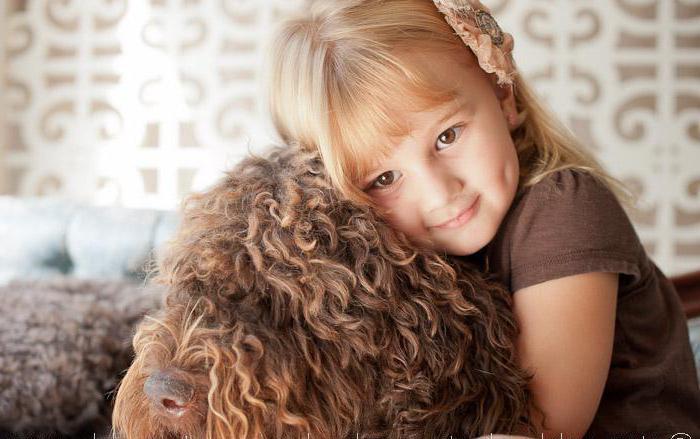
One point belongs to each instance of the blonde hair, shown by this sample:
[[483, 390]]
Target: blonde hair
[[336, 69]]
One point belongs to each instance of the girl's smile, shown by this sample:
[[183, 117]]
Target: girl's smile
[[461, 219]]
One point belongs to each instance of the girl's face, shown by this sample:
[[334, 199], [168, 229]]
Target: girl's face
[[457, 162]]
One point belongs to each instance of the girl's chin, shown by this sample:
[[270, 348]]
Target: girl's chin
[[464, 244]]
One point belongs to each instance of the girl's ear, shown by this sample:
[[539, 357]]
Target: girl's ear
[[506, 99]]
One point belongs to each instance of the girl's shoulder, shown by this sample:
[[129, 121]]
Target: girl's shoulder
[[570, 197], [569, 222], [568, 183]]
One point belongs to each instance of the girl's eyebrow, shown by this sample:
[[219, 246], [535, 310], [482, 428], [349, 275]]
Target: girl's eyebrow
[[449, 111], [462, 104], [451, 108]]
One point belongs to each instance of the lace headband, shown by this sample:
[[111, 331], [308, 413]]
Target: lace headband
[[473, 22]]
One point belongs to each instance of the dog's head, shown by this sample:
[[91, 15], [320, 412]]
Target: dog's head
[[294, 312]]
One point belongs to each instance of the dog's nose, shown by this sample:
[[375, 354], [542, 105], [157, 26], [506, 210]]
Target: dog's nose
[[169, 391]]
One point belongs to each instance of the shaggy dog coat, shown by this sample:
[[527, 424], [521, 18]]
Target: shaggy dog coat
[[292, 313]]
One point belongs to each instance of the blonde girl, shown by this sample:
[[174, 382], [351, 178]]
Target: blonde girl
[[417, 109]]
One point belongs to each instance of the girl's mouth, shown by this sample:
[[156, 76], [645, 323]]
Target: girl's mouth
[[463, 217]]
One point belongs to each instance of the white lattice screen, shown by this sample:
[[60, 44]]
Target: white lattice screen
[[137, 102]]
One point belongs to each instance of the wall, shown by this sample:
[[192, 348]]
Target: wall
[[136, 103]]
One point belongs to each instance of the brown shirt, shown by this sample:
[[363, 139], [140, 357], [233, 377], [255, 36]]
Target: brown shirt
[[570, 223]]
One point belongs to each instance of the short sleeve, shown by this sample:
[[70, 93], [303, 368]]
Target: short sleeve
[[571, 223]]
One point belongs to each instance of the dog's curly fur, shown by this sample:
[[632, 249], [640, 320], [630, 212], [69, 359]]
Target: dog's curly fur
[[293, 312]]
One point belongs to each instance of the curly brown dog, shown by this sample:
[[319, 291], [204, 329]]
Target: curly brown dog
[[293, 313]]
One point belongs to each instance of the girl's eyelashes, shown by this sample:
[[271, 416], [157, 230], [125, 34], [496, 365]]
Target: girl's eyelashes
[[385, 182], [450, 139]]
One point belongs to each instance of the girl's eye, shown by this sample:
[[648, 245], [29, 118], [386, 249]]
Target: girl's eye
[[449, 136], [384, 180]]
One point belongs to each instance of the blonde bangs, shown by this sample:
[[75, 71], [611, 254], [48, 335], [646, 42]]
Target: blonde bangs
[[365, 106]]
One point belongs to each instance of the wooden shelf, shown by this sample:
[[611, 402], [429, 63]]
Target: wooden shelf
[[688, 287]]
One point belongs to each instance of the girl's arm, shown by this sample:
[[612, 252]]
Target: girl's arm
[[567, 328]]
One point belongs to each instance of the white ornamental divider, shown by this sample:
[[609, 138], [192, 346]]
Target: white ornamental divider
[[136, 103]]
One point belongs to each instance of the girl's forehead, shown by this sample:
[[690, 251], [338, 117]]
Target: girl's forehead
[[441, 64]]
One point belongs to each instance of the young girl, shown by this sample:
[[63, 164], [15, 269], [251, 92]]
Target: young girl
[[417, 109]]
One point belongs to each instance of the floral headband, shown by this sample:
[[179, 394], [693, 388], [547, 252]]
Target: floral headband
[[473, 22]]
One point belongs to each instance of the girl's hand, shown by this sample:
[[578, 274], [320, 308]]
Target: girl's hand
[[567, 329]]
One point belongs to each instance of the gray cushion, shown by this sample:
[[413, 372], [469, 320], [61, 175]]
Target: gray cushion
[[44, 237]]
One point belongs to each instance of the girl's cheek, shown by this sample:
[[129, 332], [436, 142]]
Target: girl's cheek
[[387, 196], [386, 204], [394, 210]]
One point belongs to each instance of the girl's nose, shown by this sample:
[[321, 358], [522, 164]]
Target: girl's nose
[[441, 188]]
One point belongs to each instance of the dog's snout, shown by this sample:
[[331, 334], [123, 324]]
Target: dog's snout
[[169, 391]]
